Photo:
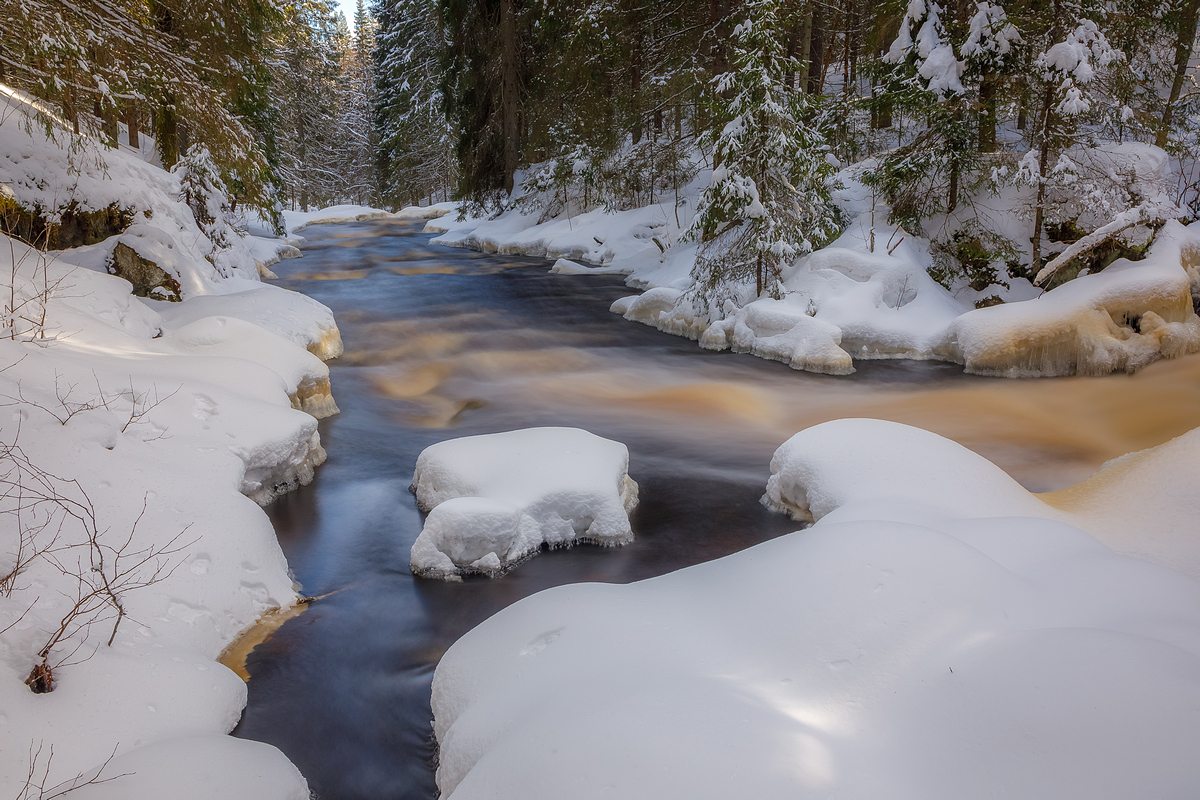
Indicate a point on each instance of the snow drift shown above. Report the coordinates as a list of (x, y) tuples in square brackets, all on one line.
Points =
[(148, 430), (921, 640)]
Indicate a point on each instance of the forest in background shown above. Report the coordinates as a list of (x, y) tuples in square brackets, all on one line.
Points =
[(567, 106)]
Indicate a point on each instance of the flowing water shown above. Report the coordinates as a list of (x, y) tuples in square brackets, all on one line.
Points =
[(443, 343)]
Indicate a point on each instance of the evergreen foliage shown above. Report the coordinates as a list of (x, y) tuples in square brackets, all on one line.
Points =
[(415, 156), (566, 106), (768, 202)]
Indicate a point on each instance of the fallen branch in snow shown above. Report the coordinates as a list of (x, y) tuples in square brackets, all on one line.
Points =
[(107, 564), (1148, 213), (35, 787), (141, 404)]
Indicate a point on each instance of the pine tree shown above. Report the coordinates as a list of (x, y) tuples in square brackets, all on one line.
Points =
[(306, 70), (416, 151), (356, 102), (198, 67), (768, 202), (1075, 49)]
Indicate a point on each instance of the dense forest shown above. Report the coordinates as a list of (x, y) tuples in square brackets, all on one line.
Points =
[(563, 107)]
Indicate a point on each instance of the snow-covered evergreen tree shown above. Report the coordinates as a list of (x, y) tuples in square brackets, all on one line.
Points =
[(1076, 49), (416, 154), (306, 74), (946, 69), (356, 97), (768, 202)]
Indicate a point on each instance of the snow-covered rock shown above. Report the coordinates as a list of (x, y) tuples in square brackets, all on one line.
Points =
[(923, 639), (497, 498), (1118, 320)]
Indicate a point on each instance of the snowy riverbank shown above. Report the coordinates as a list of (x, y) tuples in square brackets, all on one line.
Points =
[(869, 294), (138, 434), (937, 630)]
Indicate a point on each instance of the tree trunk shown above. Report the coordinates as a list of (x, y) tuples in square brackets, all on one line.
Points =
[(510, 100), (1047, 112), (806, 31), (1039, 213), (852, 44), (816, 66), (111, 127), (987, 113), (166, 134), (1183, 54), (635, 91), (952, 200), (131, 122)]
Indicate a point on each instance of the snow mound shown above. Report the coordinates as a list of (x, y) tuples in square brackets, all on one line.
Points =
[(200, 768), (74, 173), (426, 212), (1112, 504), (1121, 319), (781, 330), (497, 498), (290, 315), (904, 650), (565, 266), (860, 464)]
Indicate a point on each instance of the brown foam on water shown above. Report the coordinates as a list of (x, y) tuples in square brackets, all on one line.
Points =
[(423, 345), (1046, 433), (413, 382), (347, 275), (436, 269)]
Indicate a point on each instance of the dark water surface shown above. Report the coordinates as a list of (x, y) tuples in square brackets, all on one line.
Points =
[(441, 343)]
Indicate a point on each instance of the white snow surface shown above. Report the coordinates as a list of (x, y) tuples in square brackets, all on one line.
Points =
[(53, 174), (936, 631), (167, 421), (870, 292), (497, 498), (1121, 319)]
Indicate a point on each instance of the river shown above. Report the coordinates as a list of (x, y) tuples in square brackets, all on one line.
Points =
[(442, 342)]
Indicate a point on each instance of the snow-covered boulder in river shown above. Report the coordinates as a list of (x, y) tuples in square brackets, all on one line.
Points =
[(939, 638), (495, 499)]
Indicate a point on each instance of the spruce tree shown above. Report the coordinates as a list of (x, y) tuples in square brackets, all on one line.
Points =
[(768, 202)]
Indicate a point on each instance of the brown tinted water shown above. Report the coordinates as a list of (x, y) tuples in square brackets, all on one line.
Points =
[(443, 342)]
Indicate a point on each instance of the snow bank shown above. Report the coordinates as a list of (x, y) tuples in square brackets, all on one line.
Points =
[(426, 212), (1121, 319), (290, 315), (72, 172), (164, 433), (496, 499), (1113, 504), (1143, 504), (869, 294), (147, 430), (921, 640)]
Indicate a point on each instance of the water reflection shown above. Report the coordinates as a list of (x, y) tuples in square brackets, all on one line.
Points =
[(457, 343)]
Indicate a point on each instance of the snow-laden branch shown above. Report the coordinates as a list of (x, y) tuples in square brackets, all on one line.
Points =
[(1145, 213)]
